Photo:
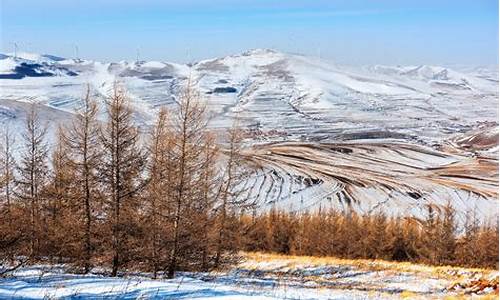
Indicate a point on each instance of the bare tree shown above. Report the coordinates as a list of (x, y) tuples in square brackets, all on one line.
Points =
[(85, 148), (186, 158), (33, 171), (57, 194), (447, 235), (158, 189), (11, 234), (232, 196), (58, 190), (7, 166), (209, 181), (467, 243), (121, 169)]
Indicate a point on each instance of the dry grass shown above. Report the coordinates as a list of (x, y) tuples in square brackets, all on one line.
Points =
[(464, 282), (447, 272), (476, 297)]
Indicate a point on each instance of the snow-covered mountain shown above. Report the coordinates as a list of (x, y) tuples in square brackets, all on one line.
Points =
[(391, 116), (290, 95)]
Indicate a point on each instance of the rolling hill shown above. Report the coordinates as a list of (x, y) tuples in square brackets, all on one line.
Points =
[(391, 138)]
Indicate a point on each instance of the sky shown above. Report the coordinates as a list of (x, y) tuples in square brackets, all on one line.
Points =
[(345, 31)]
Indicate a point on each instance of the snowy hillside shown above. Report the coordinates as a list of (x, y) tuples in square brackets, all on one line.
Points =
[(284, 97), (297, 96)]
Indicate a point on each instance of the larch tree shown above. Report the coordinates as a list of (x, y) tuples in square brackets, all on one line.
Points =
[(33, 172), (188, 125), (121, 171), (83, 141), (467, 243), (58, 189), (487, 245), (431, 227), (58, 193), (447, 235), (158, 190), (210, 179), (232, 196), (7, 167), (11, 234)]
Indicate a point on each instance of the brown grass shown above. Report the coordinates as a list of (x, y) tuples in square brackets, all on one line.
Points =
[(447, 272)]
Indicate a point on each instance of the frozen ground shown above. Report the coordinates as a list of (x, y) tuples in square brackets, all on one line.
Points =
[(258, 277)]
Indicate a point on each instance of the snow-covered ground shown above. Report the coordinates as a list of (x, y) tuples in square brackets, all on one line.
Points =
[(450, 114), (257, 277), (296, 96), (370, 177)]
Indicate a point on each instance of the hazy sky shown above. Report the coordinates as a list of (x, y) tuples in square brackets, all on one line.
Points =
[(349, 32)]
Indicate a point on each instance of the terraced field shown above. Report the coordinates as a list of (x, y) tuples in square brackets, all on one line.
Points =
[(399, 178)]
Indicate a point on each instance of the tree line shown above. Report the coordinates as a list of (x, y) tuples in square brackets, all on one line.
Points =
[(436, 240), (175, 198)]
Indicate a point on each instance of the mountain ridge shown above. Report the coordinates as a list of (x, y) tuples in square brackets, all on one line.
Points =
[(322, 134), (301, 96)]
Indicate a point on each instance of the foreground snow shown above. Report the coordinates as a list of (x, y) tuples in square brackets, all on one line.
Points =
[(258, 277)]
